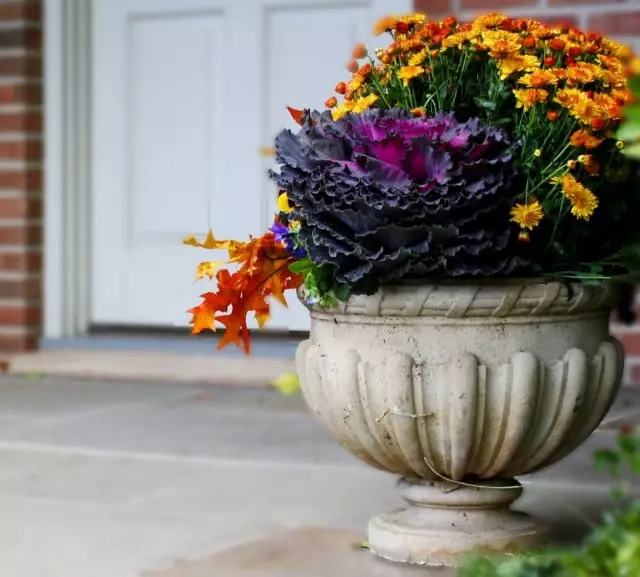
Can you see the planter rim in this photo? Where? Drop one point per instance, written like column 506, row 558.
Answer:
column 483, row 297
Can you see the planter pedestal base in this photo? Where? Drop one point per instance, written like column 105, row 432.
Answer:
column 446, row 522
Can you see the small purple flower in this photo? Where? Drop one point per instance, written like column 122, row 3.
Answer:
column 283, row 235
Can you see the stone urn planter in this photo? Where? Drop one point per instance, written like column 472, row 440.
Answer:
column 458, row 388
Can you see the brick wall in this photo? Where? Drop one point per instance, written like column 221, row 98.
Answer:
column 617, row 18
column 20, row 174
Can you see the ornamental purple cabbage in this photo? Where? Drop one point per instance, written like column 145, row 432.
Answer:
column 384, row 195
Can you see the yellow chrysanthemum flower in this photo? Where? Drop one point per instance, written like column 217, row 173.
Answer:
column 527, row 97
column 406, row 73
column 418, row 58
column 361, row 104
column 417, row 18
column 610, row 63
column 616, row 49
column 458, row 39
column 488, row 21
column 583, row 201
column 356, row 82
column 528, row 216
column 339, row 111
column 517, row 63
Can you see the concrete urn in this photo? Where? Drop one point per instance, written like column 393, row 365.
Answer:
column 459, row 388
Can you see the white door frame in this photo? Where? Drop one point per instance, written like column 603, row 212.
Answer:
column 67, row 192
column 67, row 183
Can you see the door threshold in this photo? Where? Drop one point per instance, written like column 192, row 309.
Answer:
column 121, row 364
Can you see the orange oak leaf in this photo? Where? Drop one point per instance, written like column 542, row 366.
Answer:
column 203, row 318
column 263, row 272
column 208, row 268
column 209, row 242
column 296, row 114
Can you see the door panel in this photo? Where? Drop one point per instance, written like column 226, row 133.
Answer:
column 185, row 94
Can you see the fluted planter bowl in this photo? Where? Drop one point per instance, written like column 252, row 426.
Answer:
column 458, row 388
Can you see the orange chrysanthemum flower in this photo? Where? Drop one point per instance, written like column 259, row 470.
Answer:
column 584, row 73
column 528, row 216
column 502, row 44
column 539, row 79
column 384, row 25
column 583, row 201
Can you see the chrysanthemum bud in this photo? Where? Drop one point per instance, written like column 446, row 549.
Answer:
column 341, row 88
column 352, row 66
column 331, row 102
column 360, row 51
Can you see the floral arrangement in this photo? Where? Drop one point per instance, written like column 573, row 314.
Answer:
column 480, row 149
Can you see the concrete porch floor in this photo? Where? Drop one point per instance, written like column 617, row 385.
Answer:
column 138, row 479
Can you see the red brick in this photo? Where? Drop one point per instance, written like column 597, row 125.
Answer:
column 18, row 343
column 20, row 314
column 30, row 261
column 25, row 235
column 20, row 93
column 556, row 19
column 21, row 121
column 30, row 65
column 21, row 179
column 30, row 11
column 28, row 288
column 494, row 4
column 20, row 207
column 430, row 7
column 21, row 150
column 619, row 24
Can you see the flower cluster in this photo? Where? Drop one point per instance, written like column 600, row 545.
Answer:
column 484, row 148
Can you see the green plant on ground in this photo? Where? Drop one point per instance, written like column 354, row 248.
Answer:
column 629, row 132
column 611, row 549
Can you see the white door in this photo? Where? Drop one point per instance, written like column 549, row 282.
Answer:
column 185, row 94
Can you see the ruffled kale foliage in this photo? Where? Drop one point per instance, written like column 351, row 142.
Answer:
column 384, row 195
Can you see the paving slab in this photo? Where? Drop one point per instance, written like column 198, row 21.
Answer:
column 150, row 479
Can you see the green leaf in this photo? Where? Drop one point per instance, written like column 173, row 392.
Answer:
column 484, row 103
column 608, row 460
column 629, row 131
column 634, row 84
column 633, row 151
column 301, row 266
column 342, row 292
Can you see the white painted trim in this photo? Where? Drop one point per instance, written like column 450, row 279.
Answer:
column 67, row 76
